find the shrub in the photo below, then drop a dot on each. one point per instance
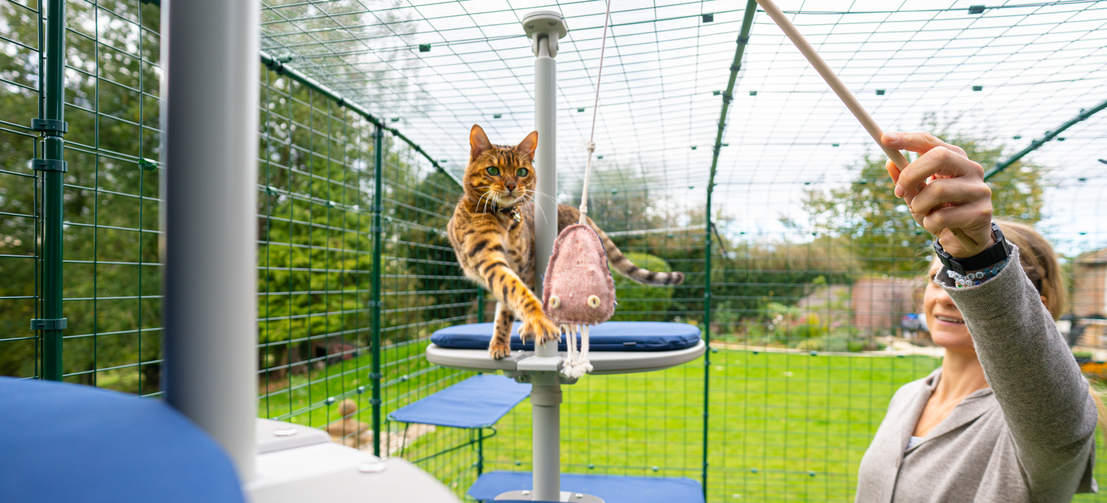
(642, 302)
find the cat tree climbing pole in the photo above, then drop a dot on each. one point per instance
(541, 367)
(545, 28)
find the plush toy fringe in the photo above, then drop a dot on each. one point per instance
(576, 363)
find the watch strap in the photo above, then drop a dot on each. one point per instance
(992, 255)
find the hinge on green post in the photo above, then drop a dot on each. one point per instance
(51, 127)
(49, 323)
(147, 164)
(48, 165)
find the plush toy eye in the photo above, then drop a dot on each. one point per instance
(593, 301)
(494, 171)
(522, 172)
(554, 302)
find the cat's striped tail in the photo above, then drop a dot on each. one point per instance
(621, 263)
(568, 215)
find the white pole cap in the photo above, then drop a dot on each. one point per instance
(544, 23)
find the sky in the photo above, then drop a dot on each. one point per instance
(1007, 75)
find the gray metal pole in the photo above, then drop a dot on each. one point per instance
(210, 122)
(545, 117)
(545, 401)
(545, 28)
(546, 391)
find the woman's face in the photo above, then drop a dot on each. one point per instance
(947, 328)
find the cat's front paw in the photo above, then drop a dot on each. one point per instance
(540, 328)
(499, 350)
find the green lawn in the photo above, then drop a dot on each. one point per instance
(781, 426)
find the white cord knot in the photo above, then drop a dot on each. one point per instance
(591, 147)
(576, 362)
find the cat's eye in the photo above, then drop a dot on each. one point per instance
(521, 172)
(494, 171)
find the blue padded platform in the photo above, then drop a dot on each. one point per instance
(613, 489)
(67, 442)
(476, 402)
(610, 336)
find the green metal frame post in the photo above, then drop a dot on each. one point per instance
(375, 375)
(706, 330)
(51, 123)
(1034, 145)
(728, 96)
(480, 452)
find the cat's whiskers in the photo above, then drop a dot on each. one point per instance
(479, 200)
(488, 194)
(529, 199)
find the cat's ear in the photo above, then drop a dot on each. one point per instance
(528, 145)
(478, 142)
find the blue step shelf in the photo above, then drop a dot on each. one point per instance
(476, 403)
(610, 488)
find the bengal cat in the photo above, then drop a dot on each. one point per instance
(492, 233)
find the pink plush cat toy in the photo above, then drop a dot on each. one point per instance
(578, 291)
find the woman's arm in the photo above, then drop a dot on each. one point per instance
(1029, 366)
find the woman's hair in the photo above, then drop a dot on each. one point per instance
(1040, 263)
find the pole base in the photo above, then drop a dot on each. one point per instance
(566, 497)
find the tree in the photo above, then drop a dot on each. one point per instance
(18, 104)
(877, 226)
(314, 157)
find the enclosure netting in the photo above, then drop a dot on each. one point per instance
(812, 264)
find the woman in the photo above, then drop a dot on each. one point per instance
(1008, 416)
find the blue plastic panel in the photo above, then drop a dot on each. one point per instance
(611, 488)
(610, 336)
(476, 402)
(66, 442)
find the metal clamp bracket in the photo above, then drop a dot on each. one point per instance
(48, 165)
(49, 323)
(51, 127)
(544, 24)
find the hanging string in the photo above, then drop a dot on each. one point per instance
(595, 108)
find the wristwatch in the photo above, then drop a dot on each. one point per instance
(990, 256)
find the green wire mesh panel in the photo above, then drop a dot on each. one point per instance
(317, 280)
(814, 269)
(813, 265)
(112, 272)
(19, 199)
(824, 267)
(314, 255)
(422, 291)
(644, 424)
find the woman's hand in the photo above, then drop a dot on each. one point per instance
(945, 192)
